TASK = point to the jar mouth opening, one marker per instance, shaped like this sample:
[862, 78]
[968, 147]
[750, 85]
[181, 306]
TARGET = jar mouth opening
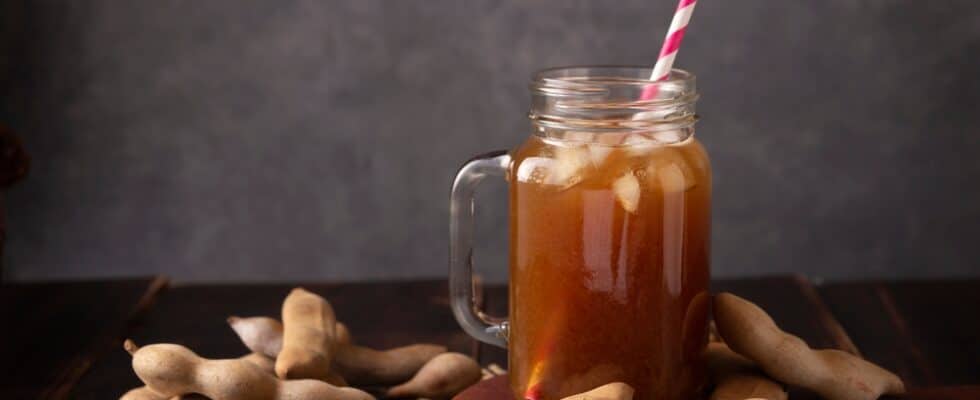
[612, 96]
[599, 80]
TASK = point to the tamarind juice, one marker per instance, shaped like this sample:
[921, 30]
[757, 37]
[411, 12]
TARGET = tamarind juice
[609, 267]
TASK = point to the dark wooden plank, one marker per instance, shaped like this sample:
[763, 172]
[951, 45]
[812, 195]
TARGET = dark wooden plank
[925, 331]
[941, 318]
[379, 315]
[939, 393]
[871, 325]
[55, 331]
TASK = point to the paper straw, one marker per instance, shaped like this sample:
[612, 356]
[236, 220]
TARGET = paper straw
[672, 43]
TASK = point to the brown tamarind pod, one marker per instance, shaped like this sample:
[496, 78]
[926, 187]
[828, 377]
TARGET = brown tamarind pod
[174, 370]
[441, 378]
[308, 324]
[833, 374]
[738, 378]
[609, 391]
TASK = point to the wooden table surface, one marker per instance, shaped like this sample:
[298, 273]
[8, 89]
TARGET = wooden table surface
[63, 340]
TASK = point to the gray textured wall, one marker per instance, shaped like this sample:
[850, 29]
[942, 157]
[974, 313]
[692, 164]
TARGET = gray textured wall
[232, 140]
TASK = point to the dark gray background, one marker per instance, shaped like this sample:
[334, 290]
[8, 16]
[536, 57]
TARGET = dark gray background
[274, 140]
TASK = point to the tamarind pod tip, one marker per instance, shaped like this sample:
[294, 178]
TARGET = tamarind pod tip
[130, 346]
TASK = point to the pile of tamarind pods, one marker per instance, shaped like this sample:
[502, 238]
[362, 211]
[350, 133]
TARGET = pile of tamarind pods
[310, 356]
[307, 356]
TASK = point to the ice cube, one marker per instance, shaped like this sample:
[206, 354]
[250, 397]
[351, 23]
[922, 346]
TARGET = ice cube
[569, 163]
[627, 190]
[670, 170]
[672, 179]
[602, 146]
[534, 170]
[579, 136]
[672, 136]
[610, 138]
[598, 153]
[639, 140]
[641, 144]
[564, 170]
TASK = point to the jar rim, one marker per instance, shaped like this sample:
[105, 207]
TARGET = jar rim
[590, 80]
[611, 97]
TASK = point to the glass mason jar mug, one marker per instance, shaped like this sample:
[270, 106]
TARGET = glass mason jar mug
[609, 238]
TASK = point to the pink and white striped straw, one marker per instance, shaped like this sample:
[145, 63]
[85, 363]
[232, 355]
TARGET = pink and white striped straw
[672, 43]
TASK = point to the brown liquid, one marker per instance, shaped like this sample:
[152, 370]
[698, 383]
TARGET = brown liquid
[609, 268]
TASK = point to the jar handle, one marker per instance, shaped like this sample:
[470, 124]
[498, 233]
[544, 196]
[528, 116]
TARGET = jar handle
[484, 328]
